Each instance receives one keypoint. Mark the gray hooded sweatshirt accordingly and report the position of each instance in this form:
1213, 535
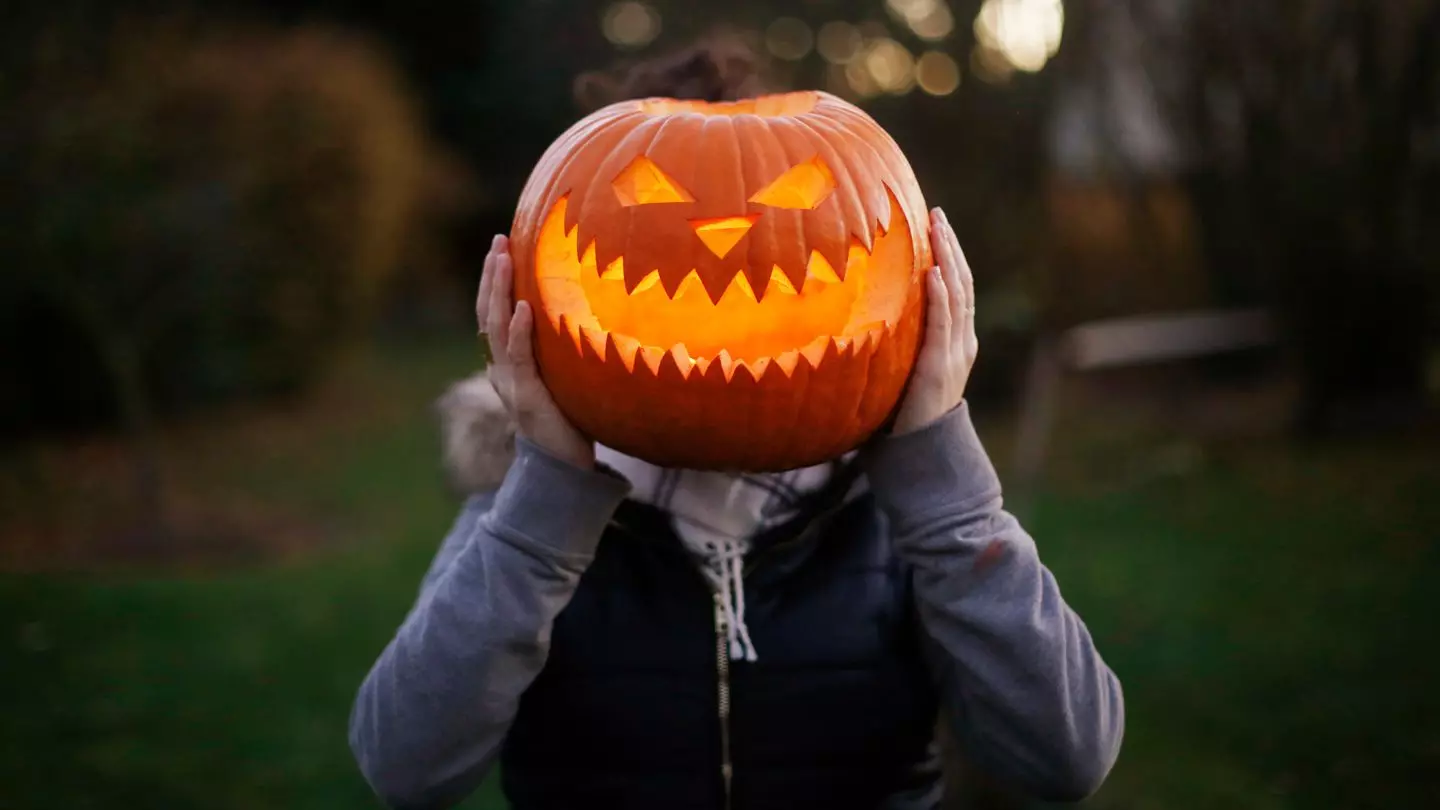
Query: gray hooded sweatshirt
1024, 687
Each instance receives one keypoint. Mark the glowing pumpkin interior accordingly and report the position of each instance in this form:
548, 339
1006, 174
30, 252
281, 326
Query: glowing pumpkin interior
737, 324
725, 286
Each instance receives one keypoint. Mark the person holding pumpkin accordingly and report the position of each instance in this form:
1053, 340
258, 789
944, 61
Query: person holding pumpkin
841, 608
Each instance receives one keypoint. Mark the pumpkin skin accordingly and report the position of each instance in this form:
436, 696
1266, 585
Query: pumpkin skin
732, 285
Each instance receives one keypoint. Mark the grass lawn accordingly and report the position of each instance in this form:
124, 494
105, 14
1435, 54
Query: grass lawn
1270, 612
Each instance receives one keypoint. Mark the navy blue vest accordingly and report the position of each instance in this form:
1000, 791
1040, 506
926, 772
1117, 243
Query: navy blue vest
838, 712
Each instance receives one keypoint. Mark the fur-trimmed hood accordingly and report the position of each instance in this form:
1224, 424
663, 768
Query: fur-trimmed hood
478, 435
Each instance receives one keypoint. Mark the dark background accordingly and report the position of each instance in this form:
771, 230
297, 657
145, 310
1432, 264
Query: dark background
239, 243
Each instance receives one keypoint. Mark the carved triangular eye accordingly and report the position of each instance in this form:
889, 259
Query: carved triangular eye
644, 183
804, 186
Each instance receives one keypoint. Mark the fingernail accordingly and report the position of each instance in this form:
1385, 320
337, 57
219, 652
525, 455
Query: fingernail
495, 243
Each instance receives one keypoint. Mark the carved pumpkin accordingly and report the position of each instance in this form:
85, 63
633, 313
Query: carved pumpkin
727, 285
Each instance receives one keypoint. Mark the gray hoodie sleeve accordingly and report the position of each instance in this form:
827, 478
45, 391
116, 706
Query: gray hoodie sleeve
1029, 698
433, 711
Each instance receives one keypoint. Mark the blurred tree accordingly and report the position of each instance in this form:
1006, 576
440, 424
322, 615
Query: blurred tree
195, 213
1316, 125
1122, 225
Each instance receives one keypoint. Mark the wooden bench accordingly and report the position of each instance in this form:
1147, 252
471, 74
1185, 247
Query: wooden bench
1117, 343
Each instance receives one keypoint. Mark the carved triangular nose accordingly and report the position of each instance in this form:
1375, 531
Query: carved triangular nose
721, 234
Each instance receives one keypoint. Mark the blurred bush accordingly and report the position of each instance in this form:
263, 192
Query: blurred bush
196, 212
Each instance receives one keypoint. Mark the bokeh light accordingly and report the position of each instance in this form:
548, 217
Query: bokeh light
936, 25
862, 84
891, 65
930, 20
630, 24
789, 38
839, 42
1026, 33
937, 73
990, 65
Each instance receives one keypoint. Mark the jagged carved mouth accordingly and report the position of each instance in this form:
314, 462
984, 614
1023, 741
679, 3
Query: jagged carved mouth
736, 326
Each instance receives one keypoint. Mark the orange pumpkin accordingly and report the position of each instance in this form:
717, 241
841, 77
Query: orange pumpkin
727, 285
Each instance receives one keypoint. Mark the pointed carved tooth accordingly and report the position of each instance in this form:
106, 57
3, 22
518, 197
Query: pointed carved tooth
758, 366
682, 359
587, 259
814, 351
616, 270
691, 285
820, 269
647, 282
867, 333
727, 363
627, 347
877, 333
652, 356
575, 333
715, 294
553, 317
836, 254
779, 282
787, 362
740, 285
857, 260
596, 337
568, 324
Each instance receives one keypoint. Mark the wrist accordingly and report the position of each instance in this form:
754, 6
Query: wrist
559, 440
546, 501
909, 421
938, 467
574, 451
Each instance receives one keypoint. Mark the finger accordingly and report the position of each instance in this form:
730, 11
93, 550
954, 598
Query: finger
487, 281
967, 282
501, 304
937, 313
948, 250
525, 377
967, 278
522, 342
960, 305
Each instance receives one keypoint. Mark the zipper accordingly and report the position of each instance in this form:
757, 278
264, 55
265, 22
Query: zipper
722, 672
722, 641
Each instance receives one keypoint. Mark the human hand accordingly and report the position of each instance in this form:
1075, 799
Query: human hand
948, 347
510, 329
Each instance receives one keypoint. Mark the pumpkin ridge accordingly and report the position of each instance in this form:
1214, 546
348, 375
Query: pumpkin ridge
563, 180
856, 217
589, 204
709, 326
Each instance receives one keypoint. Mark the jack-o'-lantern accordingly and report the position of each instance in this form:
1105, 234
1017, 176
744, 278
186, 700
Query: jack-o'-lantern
732, 285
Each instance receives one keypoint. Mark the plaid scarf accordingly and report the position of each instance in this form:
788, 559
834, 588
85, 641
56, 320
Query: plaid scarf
717, 516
